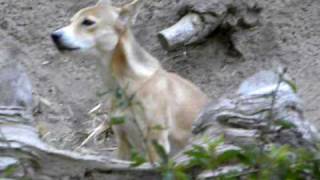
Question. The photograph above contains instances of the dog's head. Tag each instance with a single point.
(99, 26)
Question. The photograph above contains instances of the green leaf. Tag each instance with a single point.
(215, 143)
(137, 159)
(316, 169)
(197, 153)
(180, 175)
(292, 85)
(280, 154)
(228, 156)
(119, 93)
(285, 124)
(161, 152)
(199, 156)
(9, 171)
(118, 120)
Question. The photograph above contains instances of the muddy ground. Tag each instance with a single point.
(289, 36)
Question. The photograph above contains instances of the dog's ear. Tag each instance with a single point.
(127, 14)
(104, 2)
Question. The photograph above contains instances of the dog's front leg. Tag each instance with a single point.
(124, 148)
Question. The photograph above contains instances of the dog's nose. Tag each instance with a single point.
(56, 37)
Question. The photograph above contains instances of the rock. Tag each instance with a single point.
(15, 85)
(265, 111)
(264, 101)
(15, 88)
(6, 162)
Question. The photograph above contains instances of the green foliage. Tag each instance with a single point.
(117, 120)
(273, 162)
(122, 100)
(199, 156)
(292, 84)
(284, 124)
(9, 171)
(209, 158)
(161, 152)
(137, 159)
(171, 171)
(281, 162)
(168, 168)
(265, 162)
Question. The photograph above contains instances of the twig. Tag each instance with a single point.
(274, 94)
(95, 109)
(101, 128)
(263, 141)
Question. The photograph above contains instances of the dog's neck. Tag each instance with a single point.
(129, 66)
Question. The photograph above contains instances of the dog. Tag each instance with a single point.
(165, 99)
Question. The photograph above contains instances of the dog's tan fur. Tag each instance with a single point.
(167, 100)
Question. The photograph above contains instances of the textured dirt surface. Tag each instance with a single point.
(289, 36)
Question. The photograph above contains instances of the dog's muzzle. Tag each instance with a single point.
(57, 38)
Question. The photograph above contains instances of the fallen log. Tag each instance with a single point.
(190, 29)
(199, 20)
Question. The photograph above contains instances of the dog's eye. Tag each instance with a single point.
(88, 22)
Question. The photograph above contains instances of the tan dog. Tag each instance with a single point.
(167, 100)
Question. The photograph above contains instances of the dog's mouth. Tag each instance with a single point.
(63, 48)
(60, 45)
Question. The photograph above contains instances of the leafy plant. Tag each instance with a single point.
(168, 168)
(137, 159)
(261, 162)
(284, 124)
(117, 120)
(9, 171)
